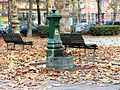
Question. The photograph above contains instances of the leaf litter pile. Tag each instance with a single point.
(16, 69)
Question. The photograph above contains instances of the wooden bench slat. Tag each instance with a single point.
(76, 41)
(15, 39)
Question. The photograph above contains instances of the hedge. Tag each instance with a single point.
(110, 30)
(104, 30)
(43, 31)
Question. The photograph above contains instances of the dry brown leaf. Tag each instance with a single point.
(115, 82)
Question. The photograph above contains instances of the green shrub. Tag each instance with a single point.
(43, 31)
(104, 30)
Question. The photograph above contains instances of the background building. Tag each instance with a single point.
(88, 10)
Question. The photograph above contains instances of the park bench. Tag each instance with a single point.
(75, 40)
(8, 39)
(15, 38)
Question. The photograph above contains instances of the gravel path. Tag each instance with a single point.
(103, 40)
(90, 85)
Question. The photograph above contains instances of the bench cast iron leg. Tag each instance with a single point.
(23, 47)
(85, 51)
(7, 47)
(14, 46)
(94, 52)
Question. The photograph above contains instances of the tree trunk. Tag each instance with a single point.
(9, 14)
(38, 12)
(99, 12)
(73, 16)
(14, 17)
(79, 12)
(73, 13)
(114, 17)
(29, 32)
(46, 22)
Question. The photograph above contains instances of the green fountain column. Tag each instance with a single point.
(55, 51)
(54, 42)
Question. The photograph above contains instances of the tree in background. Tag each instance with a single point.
(113, 4)
(29, 32)
(38, 12)
(79, 12)
(59, 5)
(46, 11)
(14, 16)
(99, 11)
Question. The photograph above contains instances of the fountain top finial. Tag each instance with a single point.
(53, 10)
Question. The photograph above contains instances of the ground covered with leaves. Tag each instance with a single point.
(17, 69)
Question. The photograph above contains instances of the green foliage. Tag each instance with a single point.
(104, 30)
(43, 31)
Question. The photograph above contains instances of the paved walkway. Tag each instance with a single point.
(103, 40)
(54, 85)
(90, 85)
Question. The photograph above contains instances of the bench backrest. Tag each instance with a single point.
(17, 39)
(66, 38)
(7, 37)
(77, 38)
(72, 39)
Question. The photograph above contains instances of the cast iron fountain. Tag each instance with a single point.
(55, 50)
